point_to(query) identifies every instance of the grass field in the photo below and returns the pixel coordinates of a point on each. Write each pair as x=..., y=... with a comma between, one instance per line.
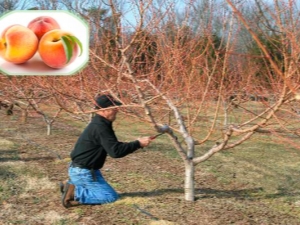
x=256, y=183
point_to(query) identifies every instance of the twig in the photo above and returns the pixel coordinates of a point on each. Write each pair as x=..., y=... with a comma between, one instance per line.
x=145, y=212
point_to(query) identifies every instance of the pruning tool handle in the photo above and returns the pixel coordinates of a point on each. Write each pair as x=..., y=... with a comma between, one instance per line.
x=155, y=136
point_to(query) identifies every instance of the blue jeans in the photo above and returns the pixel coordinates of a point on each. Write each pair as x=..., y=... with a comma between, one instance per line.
x=88, y=191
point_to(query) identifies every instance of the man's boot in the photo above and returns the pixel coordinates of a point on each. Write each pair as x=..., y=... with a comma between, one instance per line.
x=68, y=195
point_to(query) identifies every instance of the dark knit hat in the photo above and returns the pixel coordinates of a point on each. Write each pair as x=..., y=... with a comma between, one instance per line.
x=105, y=101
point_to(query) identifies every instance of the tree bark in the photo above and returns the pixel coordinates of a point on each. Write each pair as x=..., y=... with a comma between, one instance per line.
x=189, y=190
x=24, y=116
x=49, y=128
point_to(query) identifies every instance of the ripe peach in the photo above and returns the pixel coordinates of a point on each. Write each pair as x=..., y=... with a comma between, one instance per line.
x=59, y=48
x=18, y=44
x=42, y=25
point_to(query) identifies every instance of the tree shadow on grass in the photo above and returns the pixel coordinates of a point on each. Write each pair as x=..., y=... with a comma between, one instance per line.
x=4, y=152
x=9, y=155
x=13, y=156
x=249, y=194
x=238, y=194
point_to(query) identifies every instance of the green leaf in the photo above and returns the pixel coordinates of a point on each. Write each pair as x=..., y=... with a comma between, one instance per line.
x=68, y=47
x=77, y=41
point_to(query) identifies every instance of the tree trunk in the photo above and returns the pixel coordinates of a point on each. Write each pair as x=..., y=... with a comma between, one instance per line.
x=189, y=188
x=24, y=116
x=49, y=128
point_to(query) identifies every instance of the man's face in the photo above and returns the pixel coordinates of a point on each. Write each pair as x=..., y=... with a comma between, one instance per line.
x=111, y=114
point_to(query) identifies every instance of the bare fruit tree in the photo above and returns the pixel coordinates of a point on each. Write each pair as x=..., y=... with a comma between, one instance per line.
x=198, y=76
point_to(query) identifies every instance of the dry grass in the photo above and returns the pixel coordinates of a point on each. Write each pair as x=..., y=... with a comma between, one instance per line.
x=5, y=144
x=37, y=184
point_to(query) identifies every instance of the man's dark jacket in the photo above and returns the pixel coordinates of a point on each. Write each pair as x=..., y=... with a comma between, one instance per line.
x=97, y=140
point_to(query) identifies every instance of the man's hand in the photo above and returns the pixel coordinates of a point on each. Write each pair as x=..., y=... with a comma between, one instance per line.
x=144, y=141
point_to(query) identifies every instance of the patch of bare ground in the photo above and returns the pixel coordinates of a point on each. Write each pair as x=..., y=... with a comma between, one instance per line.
x=150, y=184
